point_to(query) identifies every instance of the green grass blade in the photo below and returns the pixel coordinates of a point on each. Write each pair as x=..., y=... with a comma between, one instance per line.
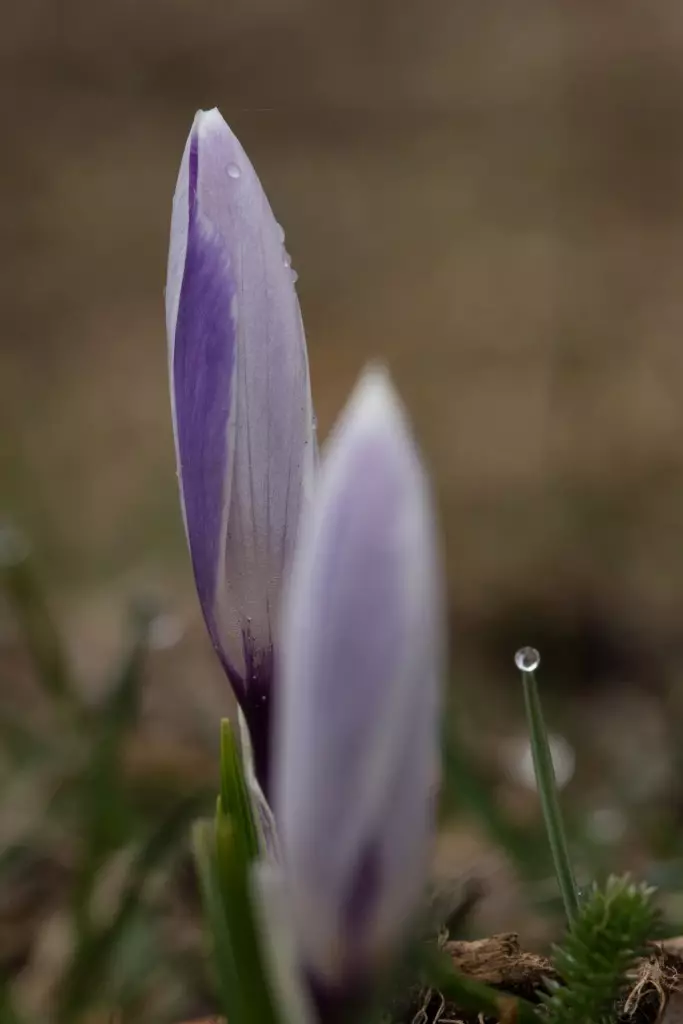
x=228, y=981
x=548, y=794
x=91, y=957
x=235, y=800
x=234, y=866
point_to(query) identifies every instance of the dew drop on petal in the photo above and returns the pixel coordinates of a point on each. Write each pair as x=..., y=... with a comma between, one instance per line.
x=280, y=232
x=287, y=259
x=527, y=659
x=295, y=277
x=234, y=171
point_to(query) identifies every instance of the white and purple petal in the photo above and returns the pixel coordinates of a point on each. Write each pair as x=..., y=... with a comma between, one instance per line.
x=357, y=716
x=240, y=395
x=203, y=364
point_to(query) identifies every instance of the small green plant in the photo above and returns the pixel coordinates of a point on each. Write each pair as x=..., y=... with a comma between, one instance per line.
x=608, y=934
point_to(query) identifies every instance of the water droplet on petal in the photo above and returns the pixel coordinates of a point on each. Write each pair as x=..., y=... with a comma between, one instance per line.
x=295, y=277
x=280, y=232
x=527, y=659
x=234, y=171
x=287, y=259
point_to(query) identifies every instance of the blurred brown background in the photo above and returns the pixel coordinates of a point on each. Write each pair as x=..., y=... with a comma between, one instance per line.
x=488, y=195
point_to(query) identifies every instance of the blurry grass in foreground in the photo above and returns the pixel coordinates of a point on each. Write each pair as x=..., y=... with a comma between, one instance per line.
x=113, y=845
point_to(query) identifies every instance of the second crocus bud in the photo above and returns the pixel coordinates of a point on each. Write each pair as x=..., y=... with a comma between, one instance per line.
x=241, y=402
x=356, y=738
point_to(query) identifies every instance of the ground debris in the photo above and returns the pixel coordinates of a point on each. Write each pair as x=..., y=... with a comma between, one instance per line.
x=653, y=995
x=499, y=961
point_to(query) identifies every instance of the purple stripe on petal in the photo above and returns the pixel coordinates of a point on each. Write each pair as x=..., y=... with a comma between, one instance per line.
x=339, y=1004
x=257, y=705
x=273, y=458
x=364, y=891
x=193, y=174
x=203, y=366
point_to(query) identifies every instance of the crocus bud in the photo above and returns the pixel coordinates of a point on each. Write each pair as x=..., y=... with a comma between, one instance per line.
x=356, y=725
x=241, y=403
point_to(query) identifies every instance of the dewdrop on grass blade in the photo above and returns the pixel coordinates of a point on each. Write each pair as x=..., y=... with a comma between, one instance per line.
x=527, y=660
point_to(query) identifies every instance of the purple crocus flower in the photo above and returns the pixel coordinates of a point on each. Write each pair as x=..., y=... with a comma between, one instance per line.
x=241, y=402
x=356, y=729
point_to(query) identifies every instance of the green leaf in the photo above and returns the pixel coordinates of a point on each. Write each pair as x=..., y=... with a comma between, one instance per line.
x=232, y=996
x=235, y=800
x=234, y=865
x=606, y=938
x=236, y=848
x=225, y=854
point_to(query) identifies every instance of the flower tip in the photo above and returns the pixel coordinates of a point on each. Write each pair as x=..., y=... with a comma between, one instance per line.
x=210, y=125
x=208, y=119
x=221, y=154
x=375, y=379
x=376, y=408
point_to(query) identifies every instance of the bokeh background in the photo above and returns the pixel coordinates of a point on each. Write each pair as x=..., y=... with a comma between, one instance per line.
x=489, y=197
